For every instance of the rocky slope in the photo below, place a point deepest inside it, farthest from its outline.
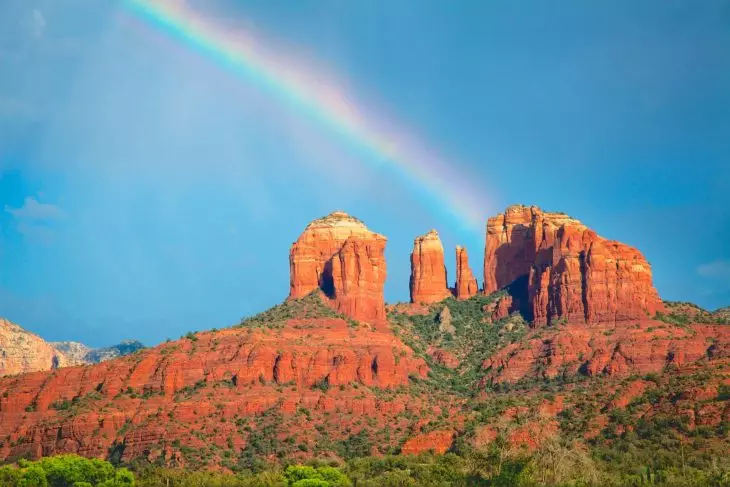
(297, 364)
(22, 351)
(328, 373)
(607, 350)
(722, 314)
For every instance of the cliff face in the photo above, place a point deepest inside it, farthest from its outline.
(341, 257)
(428, 272)
(607, 350)
(466, 284)
(22, 351)
(562, 271)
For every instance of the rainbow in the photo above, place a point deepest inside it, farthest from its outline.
(440, 184)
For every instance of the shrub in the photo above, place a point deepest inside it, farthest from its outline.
(66, 470)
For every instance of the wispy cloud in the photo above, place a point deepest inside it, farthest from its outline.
(35, 233)
(718, 268)
(37, 24)
(32, 209)
(34, 220)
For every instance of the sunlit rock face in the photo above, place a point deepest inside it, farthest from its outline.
(428, 272)
(340, 256)
(560, 270)
(466, 284)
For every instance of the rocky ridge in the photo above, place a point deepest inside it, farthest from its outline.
(327, 368)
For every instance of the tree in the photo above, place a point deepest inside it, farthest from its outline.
(33, 476)
(307, 476)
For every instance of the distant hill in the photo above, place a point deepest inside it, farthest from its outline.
(78, 353)
(22, 351)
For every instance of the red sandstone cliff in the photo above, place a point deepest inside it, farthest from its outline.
(428, 272)
(561, 270)
(338, 255)
(466, 284)
(608, 350)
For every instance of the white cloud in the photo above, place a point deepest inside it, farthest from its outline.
(34, 220)
(37, 23)
(718, 268)
(35, 233)
(32, 209)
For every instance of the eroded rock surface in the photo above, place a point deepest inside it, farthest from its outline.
(466, 284)
(341, 257)
(428, 272)
(561, 271)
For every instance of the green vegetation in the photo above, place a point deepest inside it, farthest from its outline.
(65, 471)
(310, 306)
(555, 462)
(682, 313)
(472, 340)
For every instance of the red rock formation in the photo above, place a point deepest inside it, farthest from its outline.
(565, 271)
(466, 284)
(162, 394)
(428, 272)
(607, 350)
(633, 390)
(442, 357)
(436, 441)
(340, 256)
(502, 308)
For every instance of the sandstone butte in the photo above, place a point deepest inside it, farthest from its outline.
(466, 284)
(339, 256)
(558, 270)
(318, 373)
(428, 271)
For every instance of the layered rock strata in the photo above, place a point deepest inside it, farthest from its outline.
(341, 257)
(428, 273)
(561, 271)
(466, 284)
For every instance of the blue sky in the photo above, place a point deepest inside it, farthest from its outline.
(145, 191)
